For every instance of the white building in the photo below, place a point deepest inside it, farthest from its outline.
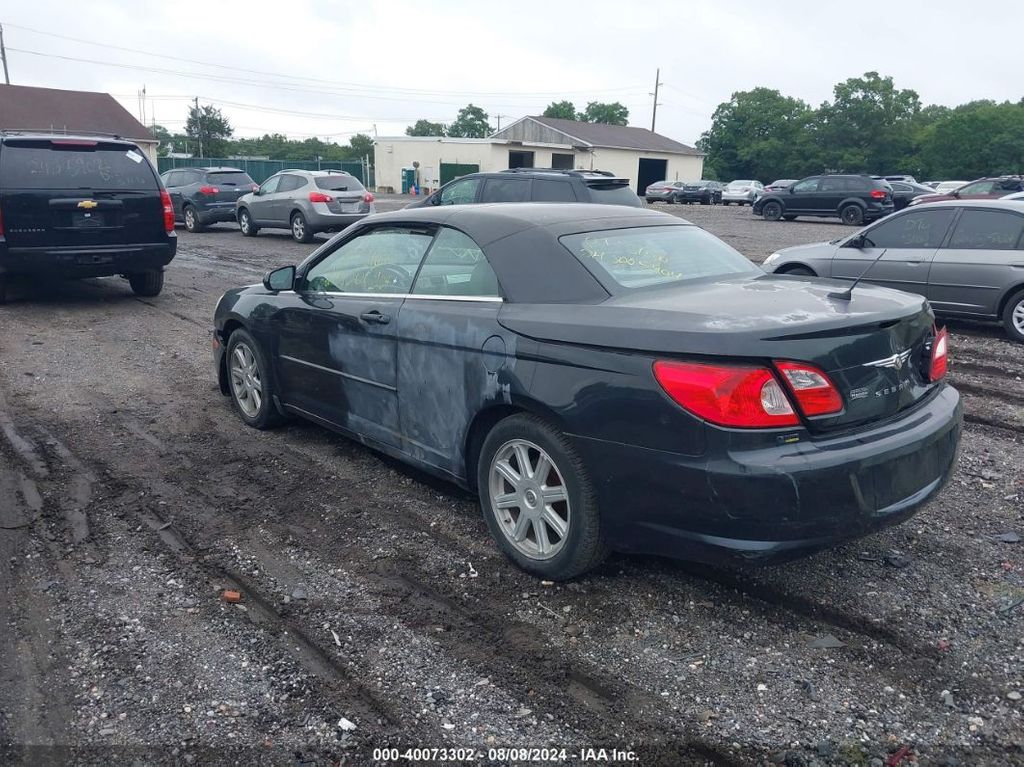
(638, 154)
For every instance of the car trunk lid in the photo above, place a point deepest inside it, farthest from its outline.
(78, 193)
(874, 347)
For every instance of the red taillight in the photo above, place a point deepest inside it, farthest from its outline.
(878, 194)
(940, 356)
(319, 197)
(728, 395)
(208, 190)
(368, 197)
(814, 392)
(165, 199)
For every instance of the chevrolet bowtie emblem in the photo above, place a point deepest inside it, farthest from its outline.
(88, 204)
(895, 361)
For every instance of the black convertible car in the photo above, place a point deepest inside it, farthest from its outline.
(604, 378)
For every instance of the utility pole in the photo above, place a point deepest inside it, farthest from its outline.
(498, 118)
(3, 55)
(657, 84)
(199, 129)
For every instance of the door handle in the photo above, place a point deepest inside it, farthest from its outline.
(375, 317)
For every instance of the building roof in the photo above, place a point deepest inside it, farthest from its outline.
(615, 136)
(46, 110)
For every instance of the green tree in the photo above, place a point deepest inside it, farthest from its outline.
(471, 122)
(564, 110)
(359, 146)
(425, 128)
(869, 126)
(761, 134)
(611, 114)
(979, 138)
(164, 137)
(209, 129)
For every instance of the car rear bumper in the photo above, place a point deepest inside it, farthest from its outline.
(216, 212)
(332, 222)
(695, 196)
(754, 497)
(746, 197)
(98, 261)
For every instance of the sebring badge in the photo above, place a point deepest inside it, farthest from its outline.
(895, 361)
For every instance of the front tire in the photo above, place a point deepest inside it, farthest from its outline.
(147, 283)
(1013, 317)
(300, 229)
(772, 211)
(249, 382)
(852, 215)
(246, 224)
(192, 222)
(538, 500)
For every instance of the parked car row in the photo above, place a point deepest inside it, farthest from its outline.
(684, 192)
(303, 201)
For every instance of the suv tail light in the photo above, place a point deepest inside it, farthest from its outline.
(320, 197)
(368, 197)
(814, 392)
(208, 190)
(879, 194)
(940, 356)
(165, 199)
(728, 395)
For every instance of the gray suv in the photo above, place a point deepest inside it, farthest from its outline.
(965, 257)
(203, 196)
(305, 202)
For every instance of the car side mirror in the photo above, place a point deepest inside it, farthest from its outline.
(857, 242)
(282, 278)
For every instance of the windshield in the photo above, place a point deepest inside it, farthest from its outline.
(75, 165)
(339, 183)
(656, 255)
(229, 178)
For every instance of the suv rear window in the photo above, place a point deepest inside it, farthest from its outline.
(48, 165)
(229, 178)
(655, 255)
(339, 183)
(613, 194)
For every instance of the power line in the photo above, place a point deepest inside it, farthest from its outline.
(339, 83)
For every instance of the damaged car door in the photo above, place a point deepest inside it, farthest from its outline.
(336, 344)
(452, 353)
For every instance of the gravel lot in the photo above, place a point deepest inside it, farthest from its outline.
(375, 611)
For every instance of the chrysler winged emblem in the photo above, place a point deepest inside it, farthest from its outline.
(896, 361)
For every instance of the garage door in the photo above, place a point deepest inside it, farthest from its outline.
(452, 170)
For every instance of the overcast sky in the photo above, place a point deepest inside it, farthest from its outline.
(330, 69)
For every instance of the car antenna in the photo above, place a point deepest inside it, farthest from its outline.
(847, 295)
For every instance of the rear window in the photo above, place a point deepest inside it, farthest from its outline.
(740, 184)
(613, 194)
(229, 178)
(339, 183)
(656, 255)
(42, 165)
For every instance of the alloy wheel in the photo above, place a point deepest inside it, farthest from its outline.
(1018, 316)
(190, 219)
(298, 228)
(246, 382)
(529, 499)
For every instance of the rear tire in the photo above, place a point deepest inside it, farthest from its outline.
(1013, 317)
(246, 224)
(300, 229)
(852, 215)
(525, 510)
(192, 222)
(772, 211)
(249, 380)
(147, 283)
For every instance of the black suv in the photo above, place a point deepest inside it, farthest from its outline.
(82, 207)
(856, 199)
(204, 196)
(534, 185)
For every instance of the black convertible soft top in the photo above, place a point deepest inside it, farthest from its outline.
(521, 242)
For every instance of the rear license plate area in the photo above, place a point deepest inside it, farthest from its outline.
(87, 220)
(92, 259)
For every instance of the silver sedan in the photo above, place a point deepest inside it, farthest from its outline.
(965, 257)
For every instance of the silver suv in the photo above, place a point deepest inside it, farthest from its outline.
(304, 201)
